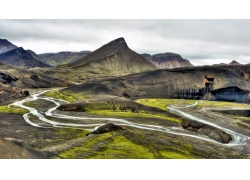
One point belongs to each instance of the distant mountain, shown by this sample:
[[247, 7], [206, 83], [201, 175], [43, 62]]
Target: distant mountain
[[168, 60], [5, 46], [147, 56], [220, 64], [20, 57], [234, 63], [61, 58], [32, 53], [114, 58]]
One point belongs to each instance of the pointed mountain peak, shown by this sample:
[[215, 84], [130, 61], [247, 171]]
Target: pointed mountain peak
[[120, 42], [5, 46], [234, 63]]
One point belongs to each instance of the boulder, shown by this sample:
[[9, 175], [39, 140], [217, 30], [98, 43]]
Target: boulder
[[210, 131], [106, 128]]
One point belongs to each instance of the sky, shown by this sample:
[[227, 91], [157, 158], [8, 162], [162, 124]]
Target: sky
[[200, 41], [204, 32]]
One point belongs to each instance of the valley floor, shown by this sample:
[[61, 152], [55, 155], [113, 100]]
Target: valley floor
[[57, 141]]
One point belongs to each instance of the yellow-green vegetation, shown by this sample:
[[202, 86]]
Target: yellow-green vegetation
[[242, 124], [57, 94], [221, 103], [117, 109], [159, 103], [175, 155], [114, 145], [78, 96], [121, 147], [163, 103], [69, 131], [12, 110], [129, 114], [240, 117]]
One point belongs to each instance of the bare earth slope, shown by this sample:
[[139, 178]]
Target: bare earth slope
[[14, 81], [229, 83], [115, 57]]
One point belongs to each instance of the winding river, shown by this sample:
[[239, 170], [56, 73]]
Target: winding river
[[238, 139]]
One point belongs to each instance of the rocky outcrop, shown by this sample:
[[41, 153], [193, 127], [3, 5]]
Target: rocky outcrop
[[6, 79], [109, 127], [210, 131]]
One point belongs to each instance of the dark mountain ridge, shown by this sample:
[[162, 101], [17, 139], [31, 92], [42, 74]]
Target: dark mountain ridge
[[167, 60], [22, 58], [64, 57], [5, 46]]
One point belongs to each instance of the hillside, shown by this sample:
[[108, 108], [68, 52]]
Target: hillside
[[20, 57], [114, 58], [55, 59], [228, 83], [167, 60], [14, 81]]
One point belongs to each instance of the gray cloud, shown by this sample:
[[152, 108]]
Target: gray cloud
[[196, 40]]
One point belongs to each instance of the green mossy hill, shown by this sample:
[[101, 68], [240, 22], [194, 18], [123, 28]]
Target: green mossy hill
[[126, 109], [67, 95], [164, 103], [220, 104], [12, 110], [125, 145]]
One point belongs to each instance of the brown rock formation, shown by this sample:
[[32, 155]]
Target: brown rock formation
[[210, 131], [106, 128]]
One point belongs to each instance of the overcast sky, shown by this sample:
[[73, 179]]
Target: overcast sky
[[200, 41]]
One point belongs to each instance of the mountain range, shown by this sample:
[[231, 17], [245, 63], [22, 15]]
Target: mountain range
[[20, 57], [61, 58], [232, 63], [168, 60], [17, 56]]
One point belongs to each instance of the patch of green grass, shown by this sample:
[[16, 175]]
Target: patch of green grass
[[86, 147], [159, 103], [240, 117], [129, 114], [242, 125], [108, 146], [121, 147], [176, 155], [189, 147], [57, 94], [115, 145], [220, 103], [12, 110], [69, 131]]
